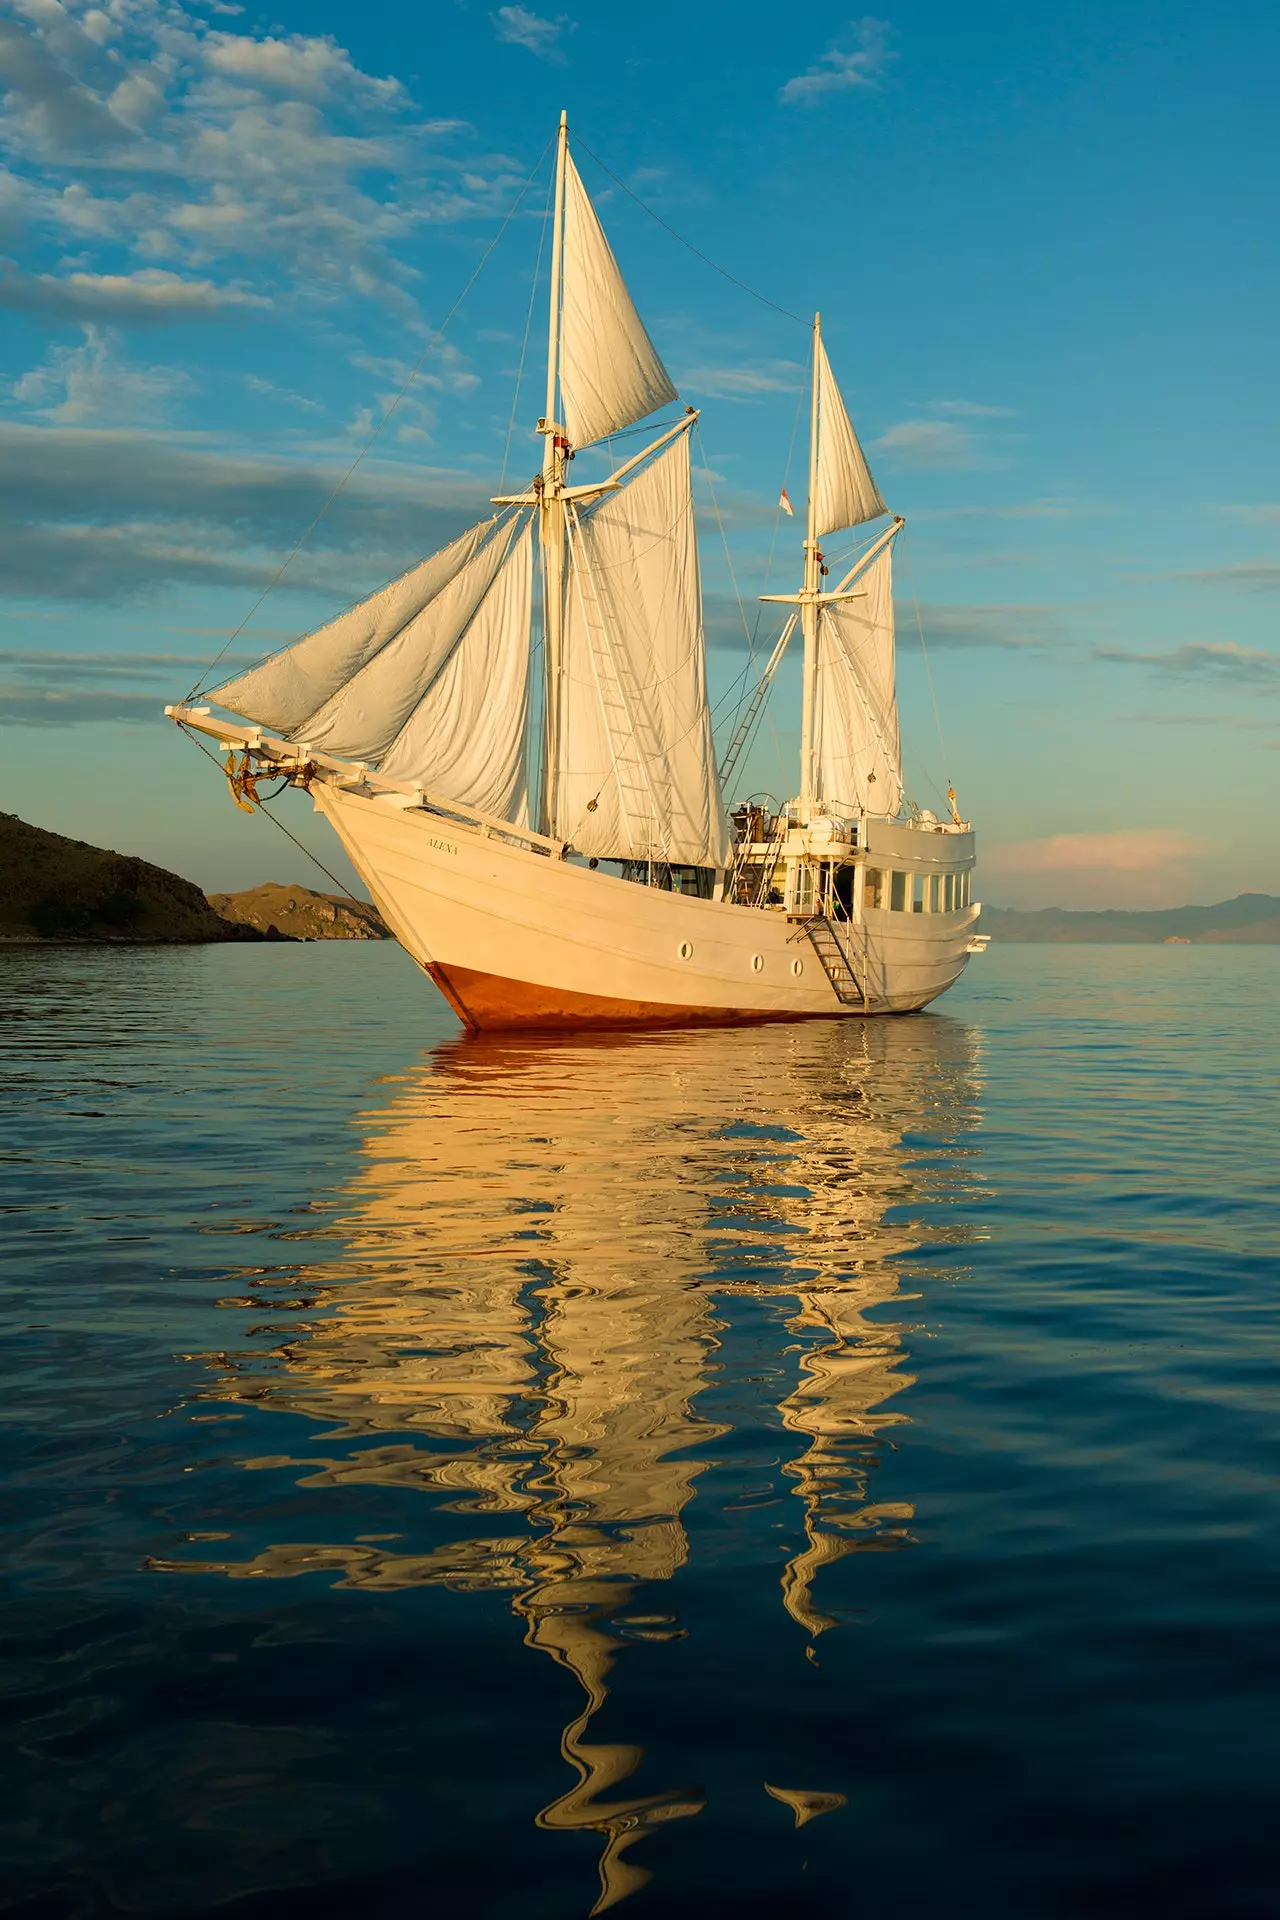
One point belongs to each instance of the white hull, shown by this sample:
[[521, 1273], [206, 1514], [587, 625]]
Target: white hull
[[515, 938]]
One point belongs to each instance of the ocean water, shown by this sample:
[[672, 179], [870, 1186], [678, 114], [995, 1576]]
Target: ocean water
[[825, 1469]]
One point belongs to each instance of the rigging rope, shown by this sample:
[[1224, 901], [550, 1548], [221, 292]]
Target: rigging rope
[[528, 323], [247, 785], [427, 351], [697, 252]]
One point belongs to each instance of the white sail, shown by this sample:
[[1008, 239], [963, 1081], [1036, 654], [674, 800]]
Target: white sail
[[363, 717], [856, 749], [635, 734], [610, 374], [286, 690], [845, 494], [467, 739]]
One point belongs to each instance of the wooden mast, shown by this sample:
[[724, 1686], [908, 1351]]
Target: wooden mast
[[551, 516], [809, 596]]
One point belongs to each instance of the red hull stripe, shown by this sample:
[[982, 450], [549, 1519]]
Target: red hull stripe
[[487, 1000]]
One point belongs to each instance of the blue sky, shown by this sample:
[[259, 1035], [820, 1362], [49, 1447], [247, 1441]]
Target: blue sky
[[1044, 245]]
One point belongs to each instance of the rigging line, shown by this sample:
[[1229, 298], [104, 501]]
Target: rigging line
[[911, 575], [314, 858], [697, 252], [528, 322], [427, 351], [777, 525]]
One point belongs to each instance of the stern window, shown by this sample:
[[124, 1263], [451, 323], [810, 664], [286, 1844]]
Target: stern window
[[898, 892]]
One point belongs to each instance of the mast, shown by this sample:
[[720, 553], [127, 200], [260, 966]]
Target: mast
[[551, 517], [809, 595]]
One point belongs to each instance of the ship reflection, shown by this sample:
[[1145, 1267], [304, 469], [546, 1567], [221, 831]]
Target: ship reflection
[[543, 1251]]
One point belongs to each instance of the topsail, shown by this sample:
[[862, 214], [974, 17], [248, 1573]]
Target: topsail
[[845, 493], [610, 373]]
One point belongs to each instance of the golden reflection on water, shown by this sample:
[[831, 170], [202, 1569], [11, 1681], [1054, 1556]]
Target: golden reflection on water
[[541, 1248]]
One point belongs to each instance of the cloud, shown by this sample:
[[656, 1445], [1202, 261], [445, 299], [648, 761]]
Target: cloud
[[1016, 628], [1220, 660], [150, 297], [517, 27], [86, 383], [53, 109], [746, 381], [1250, 576], [857, 64], [308, 67], [1129, 867], [275, 157], [119, 515], [970, 409], [928, 445], [1265, 514], [22, 706]]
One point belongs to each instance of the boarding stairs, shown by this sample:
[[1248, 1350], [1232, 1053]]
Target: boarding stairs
[[833, 956]]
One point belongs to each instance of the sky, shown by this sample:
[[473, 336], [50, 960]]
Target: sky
[[1044, 245]]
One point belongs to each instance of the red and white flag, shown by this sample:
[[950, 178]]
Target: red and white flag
[[785, 503]]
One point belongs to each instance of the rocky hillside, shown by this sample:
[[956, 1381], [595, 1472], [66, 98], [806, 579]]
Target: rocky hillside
[[1251, 919], [296, 913], [52, 888]]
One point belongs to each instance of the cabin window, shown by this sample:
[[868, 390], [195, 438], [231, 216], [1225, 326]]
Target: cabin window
[[918, 884], [965, 883], [935, 893], [873, 888], [898, 892], [950, 895]]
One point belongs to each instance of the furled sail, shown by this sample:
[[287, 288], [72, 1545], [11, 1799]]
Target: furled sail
[[467, 738], [286, 690], [363, 717], [856, 749], [636, 777], [610, 374], [845, 493]]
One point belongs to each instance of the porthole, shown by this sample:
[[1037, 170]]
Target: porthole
[[686, 949], [797, 967], [757, 963]]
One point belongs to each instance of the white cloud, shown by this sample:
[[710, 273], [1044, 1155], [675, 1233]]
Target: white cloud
[[1220, 660], [148, 297], [927, 444], [746, 381], [856, 64], [1126, 850], [1129, 867], [86, 384], [517, 27]]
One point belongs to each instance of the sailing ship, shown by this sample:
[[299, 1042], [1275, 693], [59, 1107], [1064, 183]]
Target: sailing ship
[[563, 856]]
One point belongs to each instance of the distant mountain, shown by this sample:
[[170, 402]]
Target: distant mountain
[[53, 888], [296, 913], [1251, 919]]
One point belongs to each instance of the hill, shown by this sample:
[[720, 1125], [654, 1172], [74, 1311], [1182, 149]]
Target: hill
[[53, 888], [1251, 919], [296, 913]]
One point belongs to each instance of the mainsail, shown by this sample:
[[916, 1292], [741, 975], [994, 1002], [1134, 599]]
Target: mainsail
[[610, 373], [636, 775], [857, 755]]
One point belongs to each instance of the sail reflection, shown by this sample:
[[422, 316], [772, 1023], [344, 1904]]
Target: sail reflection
[[543, 1248]]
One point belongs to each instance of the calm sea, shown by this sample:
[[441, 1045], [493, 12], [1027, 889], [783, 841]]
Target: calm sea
[[826, 1469]]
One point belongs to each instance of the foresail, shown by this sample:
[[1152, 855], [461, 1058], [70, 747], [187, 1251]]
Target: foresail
[[636, 776], [467, 739], [285, 691], [362, 719], [610, 373], [845, 493], [857, 752]]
